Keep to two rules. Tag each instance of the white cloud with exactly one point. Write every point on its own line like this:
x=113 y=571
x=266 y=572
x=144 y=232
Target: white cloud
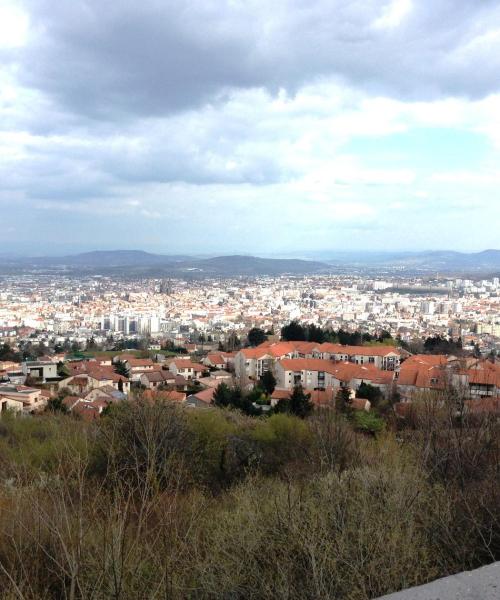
x=14 y=25
x=393 y=14
x=289 y=103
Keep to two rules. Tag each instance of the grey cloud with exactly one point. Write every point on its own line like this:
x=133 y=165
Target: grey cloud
x=119 y=59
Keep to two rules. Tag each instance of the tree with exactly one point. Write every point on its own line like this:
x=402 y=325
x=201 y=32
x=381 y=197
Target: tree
x=121 y=368
x=369 y=392
x=268 y=382
x=233 y=342
x=315 y=334
x=222 y=395
x=343 y=402
x=384 y=335
x=256 y=336
x=62 y=370
x=300 y=403
x=57 y=405
x=120 y=385
x=225 y=397
x=6 y=353
x=293 y=332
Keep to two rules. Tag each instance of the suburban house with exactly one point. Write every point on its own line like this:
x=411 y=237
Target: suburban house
x=187 y=369
x=40 y=370
x=219 y=360
x=166 y=395
x=139 y=364
x=202 y=399
x=253 y=362
x=474 y=378
x=10 y=403
x=320 y=374
x=153 y=379
x=481 y=380
x=106 y=392
x=422 y=373
x=86 y=375
x=218 y=377
x=32 y=399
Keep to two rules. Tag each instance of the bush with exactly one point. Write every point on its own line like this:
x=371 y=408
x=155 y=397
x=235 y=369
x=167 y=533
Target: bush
x=368 y=422
x=159 y=501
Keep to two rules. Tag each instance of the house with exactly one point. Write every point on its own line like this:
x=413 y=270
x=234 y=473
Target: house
x=40 y=370
x=152 y=380
x=71 y=401
x=202 y=399
x=252 y=363
x=106 y=392
x=480 y=380
x=387 y=358
x=9 y=403
x=89 y=410
x=165 y=395
x=218 y=377
x=187 y=369
x=86 y=375
x=319 y=374
x=11 y=372
x=139 y=364
x=217 y=360
x=423 y=373
x=361 y=404
x=32 y=398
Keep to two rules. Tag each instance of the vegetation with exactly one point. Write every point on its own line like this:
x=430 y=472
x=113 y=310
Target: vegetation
x=441 y=345
x=268 y=381
x=256 y=336
x=295 y=331
x=155 y=501
x=121 y=368
x=234 y=397
x=299 y=403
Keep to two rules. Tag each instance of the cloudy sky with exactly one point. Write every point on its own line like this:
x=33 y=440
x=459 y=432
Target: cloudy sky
x=206 y=126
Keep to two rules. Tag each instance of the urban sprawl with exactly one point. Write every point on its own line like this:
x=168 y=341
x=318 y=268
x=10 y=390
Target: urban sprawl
x=93 y=341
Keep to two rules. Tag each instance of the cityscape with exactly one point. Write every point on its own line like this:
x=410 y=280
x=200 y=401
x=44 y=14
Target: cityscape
x=54 y=310
x=249 y=300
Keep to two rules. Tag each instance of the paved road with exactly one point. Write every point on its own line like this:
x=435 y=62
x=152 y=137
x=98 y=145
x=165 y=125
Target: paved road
x=481 y=584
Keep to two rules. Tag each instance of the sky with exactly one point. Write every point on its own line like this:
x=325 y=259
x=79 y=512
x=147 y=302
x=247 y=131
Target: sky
x=249 y=126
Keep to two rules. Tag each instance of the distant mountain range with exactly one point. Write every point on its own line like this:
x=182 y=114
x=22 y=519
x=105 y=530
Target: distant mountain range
x=140 y=263
x=445 y=261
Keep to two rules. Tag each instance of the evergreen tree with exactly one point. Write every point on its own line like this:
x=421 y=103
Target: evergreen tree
x=300 y=403
x=256 y=336
x=268 y=382
x=315 y=334
x=343 y=402
x=369 y=392
x=121 y=368
x=293 y=332
x=222 y=396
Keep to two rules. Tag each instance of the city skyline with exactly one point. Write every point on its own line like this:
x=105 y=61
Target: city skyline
x=227 y=127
